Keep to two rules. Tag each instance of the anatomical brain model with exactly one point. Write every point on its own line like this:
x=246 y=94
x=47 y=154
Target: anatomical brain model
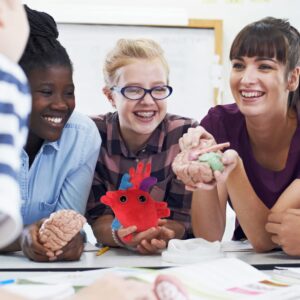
x=198 y=164
x=60 y=228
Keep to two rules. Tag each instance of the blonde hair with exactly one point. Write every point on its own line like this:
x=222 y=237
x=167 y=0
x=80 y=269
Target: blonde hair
x=128 y=50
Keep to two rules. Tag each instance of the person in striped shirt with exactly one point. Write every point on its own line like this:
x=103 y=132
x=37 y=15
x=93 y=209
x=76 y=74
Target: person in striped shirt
x=15 y=103
x=136 y=76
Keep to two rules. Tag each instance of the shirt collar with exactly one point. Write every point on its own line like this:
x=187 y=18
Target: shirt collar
x=47 y=146
x=55 y=145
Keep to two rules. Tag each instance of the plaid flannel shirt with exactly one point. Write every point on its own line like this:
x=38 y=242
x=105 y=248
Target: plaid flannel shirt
x=161 y=148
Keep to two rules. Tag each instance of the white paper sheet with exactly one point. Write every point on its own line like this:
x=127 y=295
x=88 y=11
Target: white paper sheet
x=214 y=278
x=41 y=291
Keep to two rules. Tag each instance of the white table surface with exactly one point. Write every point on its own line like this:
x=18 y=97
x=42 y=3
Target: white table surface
x=124 y=258
x=112 y=258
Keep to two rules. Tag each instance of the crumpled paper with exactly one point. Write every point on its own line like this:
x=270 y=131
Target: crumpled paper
x=191 y=251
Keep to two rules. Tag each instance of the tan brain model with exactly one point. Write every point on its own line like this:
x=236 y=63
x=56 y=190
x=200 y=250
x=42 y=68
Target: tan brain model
x=198 y=165
x=60 y=228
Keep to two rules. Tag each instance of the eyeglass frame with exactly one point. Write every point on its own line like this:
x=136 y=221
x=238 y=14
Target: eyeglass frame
x=146 y=91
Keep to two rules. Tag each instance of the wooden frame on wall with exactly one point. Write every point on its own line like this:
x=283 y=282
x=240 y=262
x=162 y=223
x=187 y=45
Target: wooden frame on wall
x=217 y=25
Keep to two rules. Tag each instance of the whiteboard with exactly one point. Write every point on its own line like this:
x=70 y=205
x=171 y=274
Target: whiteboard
x=190 y=53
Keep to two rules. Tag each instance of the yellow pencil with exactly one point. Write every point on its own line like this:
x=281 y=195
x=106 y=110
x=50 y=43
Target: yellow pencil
x=102 y=250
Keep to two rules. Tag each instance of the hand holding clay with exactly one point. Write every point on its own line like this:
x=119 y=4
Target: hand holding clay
x=196 y=166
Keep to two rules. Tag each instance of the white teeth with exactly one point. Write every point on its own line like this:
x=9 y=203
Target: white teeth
x=251 y=94
x=55 y=120
x=145 y=114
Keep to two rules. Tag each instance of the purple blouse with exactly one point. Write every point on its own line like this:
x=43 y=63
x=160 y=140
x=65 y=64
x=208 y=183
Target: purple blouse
x=227 y=124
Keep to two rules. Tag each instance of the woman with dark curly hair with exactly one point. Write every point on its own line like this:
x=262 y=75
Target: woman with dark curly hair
x=59 y=158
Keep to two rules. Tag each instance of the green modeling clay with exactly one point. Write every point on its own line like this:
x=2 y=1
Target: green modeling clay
x=213 y=159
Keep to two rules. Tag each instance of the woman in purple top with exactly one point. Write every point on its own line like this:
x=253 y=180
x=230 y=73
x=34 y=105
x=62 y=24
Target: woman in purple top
x=262 y=168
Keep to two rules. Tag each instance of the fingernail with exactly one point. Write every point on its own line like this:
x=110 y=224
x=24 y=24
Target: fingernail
x=53 y=258
x=50 y=254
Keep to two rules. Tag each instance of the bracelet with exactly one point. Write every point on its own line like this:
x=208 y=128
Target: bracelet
x=119 y=242
x=116 y=238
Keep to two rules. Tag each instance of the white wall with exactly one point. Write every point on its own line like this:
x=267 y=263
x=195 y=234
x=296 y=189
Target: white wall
x=235 y=16
x=234 y=13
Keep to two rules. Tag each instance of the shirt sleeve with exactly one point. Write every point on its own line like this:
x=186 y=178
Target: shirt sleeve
x=15 y=105
x=222 y=122
x=178 y=198
x=208 y=123
x=95 y=208
x=77 y=185
x=179 y=202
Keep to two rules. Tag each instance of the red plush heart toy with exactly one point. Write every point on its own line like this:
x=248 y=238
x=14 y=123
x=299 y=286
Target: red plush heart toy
x=132 y=204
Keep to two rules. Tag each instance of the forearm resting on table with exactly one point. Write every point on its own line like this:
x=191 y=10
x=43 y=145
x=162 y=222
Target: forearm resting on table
x=15 y=246
x=208 y=218
x=251 y=212
x=288 y=199
x=102 y=230
x=178 y=228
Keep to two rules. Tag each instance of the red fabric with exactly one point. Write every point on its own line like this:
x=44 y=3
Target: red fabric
x=137 y=176
x=143 y=214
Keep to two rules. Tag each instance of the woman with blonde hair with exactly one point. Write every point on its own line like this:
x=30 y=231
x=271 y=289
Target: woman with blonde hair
x=137 y=86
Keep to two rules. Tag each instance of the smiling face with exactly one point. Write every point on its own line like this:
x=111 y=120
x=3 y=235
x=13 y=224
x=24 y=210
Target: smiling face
x=139 y=118
x=259 y=85
x=53 y=101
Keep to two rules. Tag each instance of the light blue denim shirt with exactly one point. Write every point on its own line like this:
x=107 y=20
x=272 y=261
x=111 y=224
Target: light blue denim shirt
x=61 y=174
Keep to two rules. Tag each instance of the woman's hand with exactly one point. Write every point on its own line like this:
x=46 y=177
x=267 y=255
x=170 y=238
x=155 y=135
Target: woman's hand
x=285 y=230
x=149 y=241
x=137 y=237
x=230 y=160
x=193 y=173
x=73 y=250
x=112 y=287
x=34 y=249
x=195 y=137
x=169 y=229
x=31 y=245
x=160 y=242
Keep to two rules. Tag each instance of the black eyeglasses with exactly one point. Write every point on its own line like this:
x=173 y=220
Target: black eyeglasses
x=138 y=93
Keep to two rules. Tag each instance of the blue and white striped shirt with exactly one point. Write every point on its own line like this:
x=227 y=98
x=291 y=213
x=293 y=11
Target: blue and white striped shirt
x=15 y=105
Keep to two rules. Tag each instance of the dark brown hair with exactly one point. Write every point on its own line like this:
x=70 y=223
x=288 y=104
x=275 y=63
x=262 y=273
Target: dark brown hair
x=271 y=38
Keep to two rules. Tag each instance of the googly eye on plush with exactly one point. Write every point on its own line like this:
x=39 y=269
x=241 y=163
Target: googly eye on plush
x=142 y=198
x=123 y=199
